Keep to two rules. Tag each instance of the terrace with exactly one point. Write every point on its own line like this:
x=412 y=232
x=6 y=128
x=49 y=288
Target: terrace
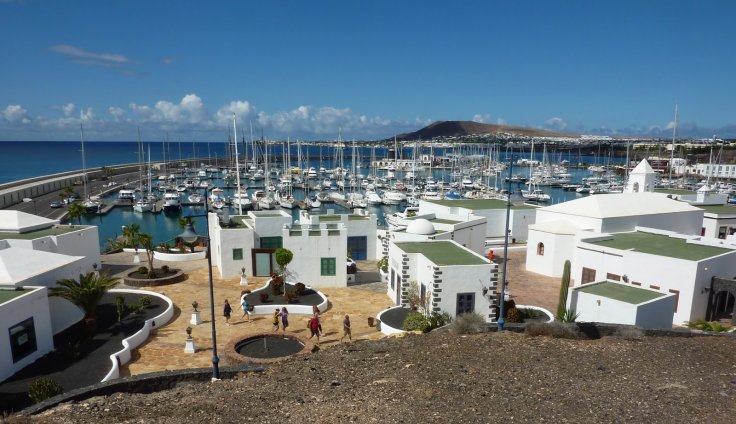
x=443 y=253
x=32 y=235
x=620 y=292
x=662 y=245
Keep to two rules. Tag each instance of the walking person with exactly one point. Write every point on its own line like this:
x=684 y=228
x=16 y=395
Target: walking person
x=246 y=307
x=313 y=326
x=284 y=319
x=275 y=320
x=346 y=331
x=315 y=315
x=227 y=310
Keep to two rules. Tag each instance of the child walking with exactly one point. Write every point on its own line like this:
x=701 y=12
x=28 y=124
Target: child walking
x=246 y=307
x=284 y=319
x=227 y=310
x=346 y=329
x=275 y=320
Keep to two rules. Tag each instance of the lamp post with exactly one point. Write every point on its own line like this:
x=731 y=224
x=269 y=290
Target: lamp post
x=190 y=236
x=502 y=307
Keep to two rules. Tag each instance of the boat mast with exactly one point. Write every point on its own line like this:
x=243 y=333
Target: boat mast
x=84 y=163
x=237 y=167
x=672 y=151
x=141 y=158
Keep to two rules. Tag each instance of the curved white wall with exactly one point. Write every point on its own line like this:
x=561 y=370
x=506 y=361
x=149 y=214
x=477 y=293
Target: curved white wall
x=122 y=356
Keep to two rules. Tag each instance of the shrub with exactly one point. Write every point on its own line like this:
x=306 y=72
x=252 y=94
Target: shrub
x=568 y=316
x=554 y=329
x=73 y=350
x=531 y=313
x=120 y=306
x=300 y=289
x=277 y=283
x=704 y=325
x=416 y=321
x=264 y=297
x=44 y=388
x=469 y=323
x=383 y=264
x=439 y=319
x=290 y=296
x=513 y=315
x=144 y=301
x=143 y=270
x=165 y=269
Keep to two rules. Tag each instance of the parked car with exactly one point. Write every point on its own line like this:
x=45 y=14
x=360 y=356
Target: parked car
x=352 y=267
x=56 y=204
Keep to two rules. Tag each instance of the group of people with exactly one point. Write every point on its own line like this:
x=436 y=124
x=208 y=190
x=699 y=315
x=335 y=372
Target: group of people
x=280 y=319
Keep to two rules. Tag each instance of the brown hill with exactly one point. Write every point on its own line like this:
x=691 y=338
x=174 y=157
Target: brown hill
x=463 y=128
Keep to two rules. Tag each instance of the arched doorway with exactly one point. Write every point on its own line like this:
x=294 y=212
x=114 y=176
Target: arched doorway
x=721 y=300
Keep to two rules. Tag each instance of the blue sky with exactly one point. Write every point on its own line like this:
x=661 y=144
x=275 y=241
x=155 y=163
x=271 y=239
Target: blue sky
x=373 y=68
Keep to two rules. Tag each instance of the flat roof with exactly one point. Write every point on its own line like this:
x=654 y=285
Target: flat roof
x=269 y=215
x=338 y=217
x=32 y=235
x=662 y=245
x=718 y=209
x=442 y=252
x=6 y=295
x=477 y=204
x=673 y=191
x=620 y=292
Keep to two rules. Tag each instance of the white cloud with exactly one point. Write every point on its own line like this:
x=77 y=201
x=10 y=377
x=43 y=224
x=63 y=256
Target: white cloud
x=15 y=113
x=85 y=57
x=68 y=109
x=87 y=115
x=482 y=118
x=556 y=123
x=190 y=110
x=167 y=60
x=116 y=112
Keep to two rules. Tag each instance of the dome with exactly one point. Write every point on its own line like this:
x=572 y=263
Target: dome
x=420 y=226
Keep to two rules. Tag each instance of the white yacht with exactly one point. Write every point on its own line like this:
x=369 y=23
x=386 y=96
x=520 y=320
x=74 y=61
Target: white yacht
x=392 y=197
x=172 y=201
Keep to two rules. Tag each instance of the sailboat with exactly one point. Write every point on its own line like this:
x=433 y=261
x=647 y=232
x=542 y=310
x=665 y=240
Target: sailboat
x=91 y=204
x=143 y=204
x=286 y=199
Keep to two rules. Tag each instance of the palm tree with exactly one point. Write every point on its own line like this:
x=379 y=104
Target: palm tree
x=76 y=210
x=85 y=293
x=146 y=240
x=66 y=193
x=132 y=235
x=107 y=171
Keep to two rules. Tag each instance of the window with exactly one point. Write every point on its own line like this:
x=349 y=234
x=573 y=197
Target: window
x=393 y=279
x=677 y=297
x=237 y=254
x=327 y=266
x=722 y=232
x=613 y=277
x=653 y=287
x=22 y=339
x=636 y=283
x=271 y=242
x=540 y=249
x=636 y=187
x=588 y=276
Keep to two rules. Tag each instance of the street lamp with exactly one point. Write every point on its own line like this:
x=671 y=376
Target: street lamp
x=502 y=307
x=190 y=236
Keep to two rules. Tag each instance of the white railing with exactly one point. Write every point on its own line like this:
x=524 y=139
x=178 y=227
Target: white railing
x=122 y=356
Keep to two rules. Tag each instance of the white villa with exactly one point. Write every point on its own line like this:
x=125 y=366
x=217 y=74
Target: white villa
x=451 y=277
x=321 y=244
x=35 y=253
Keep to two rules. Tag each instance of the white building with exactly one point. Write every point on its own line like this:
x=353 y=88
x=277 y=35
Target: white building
x=492 y=209
x=320 y=253
x=662 y=261
x=618 y=303
x=452 y=278
x=361 y=231
x=25 y=323
x=557 y=227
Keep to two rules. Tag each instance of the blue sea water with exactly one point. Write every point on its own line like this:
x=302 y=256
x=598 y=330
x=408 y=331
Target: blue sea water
x=32 y=159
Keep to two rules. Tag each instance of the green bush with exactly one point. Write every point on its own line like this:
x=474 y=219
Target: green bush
x=704 y=325
x=513 y=315
x=300 y=289
x=277 y=283
x=416 y=321
x=469 y=323
x=439 y=319
x=165 y=269
x=44 y=388
x=143 y=270
x=120 y=306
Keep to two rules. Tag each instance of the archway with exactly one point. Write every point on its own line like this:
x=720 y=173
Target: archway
x=721 y=300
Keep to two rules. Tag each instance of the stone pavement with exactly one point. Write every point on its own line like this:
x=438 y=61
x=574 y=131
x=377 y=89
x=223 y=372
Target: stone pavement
x=165 y=349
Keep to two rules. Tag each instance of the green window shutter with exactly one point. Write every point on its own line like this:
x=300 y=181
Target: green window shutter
x=271 y=242
x=327 y=266
x=237 y=254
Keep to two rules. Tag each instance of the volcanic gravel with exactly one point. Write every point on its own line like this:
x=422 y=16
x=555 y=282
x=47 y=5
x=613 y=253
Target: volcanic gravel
x=448 y=378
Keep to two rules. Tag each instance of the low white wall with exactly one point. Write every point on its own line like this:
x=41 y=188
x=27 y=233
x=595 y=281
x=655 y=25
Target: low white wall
x=179 y=257
x=385 y=328
x=550 y=316
x=293 y=308
x=122 y=356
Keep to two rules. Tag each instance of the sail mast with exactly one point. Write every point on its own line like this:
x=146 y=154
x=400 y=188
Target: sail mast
x=672 y=151
x=237 y=166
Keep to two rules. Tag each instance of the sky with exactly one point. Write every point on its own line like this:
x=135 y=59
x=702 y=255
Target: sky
x=364 y=70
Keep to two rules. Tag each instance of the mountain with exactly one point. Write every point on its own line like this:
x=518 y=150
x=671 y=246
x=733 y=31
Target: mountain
x=465 y=128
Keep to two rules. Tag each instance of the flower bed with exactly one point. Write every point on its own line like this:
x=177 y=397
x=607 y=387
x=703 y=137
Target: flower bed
x=301 y=305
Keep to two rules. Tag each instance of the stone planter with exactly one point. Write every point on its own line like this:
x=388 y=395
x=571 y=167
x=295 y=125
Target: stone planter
x=132 y=280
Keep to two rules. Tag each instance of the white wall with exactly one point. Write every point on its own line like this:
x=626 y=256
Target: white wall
x=557 y=249
x=656 y=313
x=582 y=222
x=83 y=242
x=229 y=239
x=520 y=219
x=63 y=314
x=688 y=223
x=34 y=304
x=308 y=251
x=712 y=225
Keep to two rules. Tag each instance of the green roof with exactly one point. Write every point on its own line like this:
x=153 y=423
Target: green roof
x=443 y=253
x=32 y=235
x=269 y=215
x=620 y=292
x=662 y=245
x=239 y=221
x=719 y=209
x=479 y=204
x=6 y=295
x=329 y=218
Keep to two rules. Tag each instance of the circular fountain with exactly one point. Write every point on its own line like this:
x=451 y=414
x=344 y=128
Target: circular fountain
x=266 y=348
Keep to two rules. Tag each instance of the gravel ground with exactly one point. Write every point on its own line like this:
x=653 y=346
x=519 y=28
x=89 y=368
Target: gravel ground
x=448 y=378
